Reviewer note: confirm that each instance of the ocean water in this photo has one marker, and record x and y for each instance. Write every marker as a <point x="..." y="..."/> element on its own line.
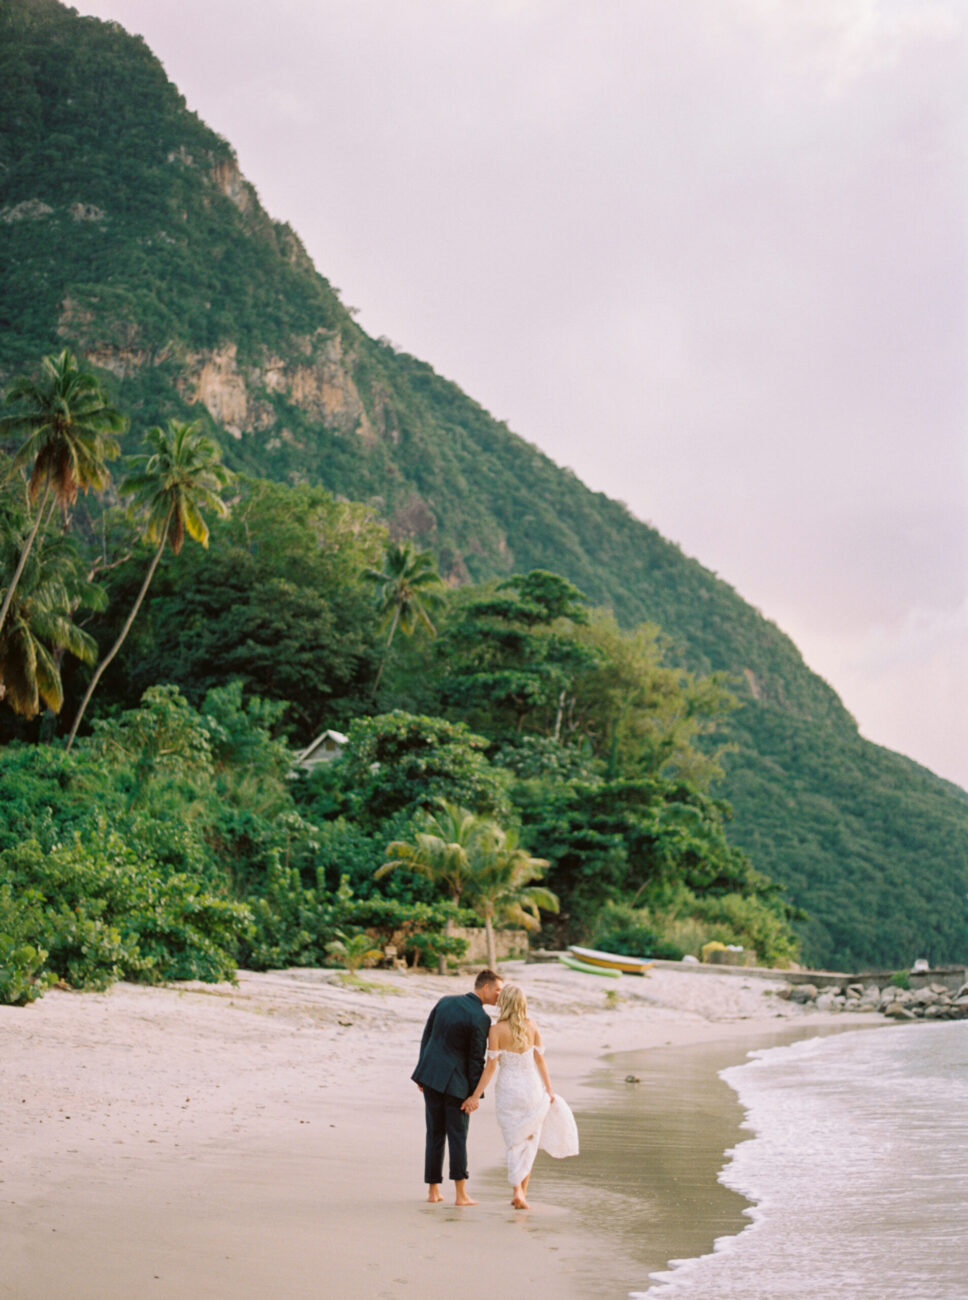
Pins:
<point x="857" y="1172"/>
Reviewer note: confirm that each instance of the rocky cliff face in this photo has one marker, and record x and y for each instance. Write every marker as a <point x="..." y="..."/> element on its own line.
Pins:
<point x="314" y="377"/>
<point x="312" y="372"/>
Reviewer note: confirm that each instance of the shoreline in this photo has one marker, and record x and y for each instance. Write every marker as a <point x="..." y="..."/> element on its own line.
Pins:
<point x="654" y="1149"/>
<point x="265" y="1138"/>
<point x="677" y="1129"/>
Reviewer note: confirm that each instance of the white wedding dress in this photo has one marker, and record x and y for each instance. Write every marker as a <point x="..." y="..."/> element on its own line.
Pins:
<point x="526" y="1115"/>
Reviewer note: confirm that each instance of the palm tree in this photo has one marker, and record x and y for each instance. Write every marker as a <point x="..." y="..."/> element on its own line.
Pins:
<point x="409" y="587"/>
<point x="505" y="889"/>
<point x="477" y="863"/>
<point x="173" y="483"/>
<point x="67" y="420"/>
<point x="39" y="627"/>
<point x="446" y="848"/>
<point x="353" y="951"/>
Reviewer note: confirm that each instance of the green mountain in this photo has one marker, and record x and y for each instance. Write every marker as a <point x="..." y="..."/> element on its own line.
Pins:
<point x="129" y="235"/>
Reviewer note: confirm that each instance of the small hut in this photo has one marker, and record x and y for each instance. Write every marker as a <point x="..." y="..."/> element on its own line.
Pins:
<point x="323" y="750"/>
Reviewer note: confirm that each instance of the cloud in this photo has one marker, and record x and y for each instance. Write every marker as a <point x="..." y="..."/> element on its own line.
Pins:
<point x="924" y="635"/>
<point x="906" y="681"/>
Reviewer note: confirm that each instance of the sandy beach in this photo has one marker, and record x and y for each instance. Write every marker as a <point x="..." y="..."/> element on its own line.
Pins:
<point x="264" y="1139"/>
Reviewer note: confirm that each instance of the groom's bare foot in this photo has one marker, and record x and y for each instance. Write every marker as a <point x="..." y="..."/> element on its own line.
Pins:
<point x="434" y="1193"/>
<point x="464" y="1200"/>
<point x="461" y="1197"/>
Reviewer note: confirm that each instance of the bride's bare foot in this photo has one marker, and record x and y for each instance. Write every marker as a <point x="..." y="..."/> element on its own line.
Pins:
<point x="520" y="1203"/>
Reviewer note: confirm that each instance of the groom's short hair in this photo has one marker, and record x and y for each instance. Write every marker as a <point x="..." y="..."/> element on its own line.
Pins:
<point x="486" y="977"/>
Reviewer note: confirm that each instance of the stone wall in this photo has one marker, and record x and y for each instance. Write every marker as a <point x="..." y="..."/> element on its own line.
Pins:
<point x="952" y="977"/>
<point x="507" y="943"/>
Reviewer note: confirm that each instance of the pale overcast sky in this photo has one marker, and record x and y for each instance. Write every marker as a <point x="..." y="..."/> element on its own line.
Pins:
<point x="711" y="254"/>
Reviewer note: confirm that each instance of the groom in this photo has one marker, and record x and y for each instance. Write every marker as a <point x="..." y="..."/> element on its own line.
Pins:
<point x="451" y="1063"/>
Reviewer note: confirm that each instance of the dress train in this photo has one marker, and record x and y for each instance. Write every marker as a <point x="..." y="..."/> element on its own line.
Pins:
<point x="527" y="1117"/>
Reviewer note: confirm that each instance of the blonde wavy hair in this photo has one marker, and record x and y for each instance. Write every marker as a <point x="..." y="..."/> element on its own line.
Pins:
<point x="512" y="1008"/>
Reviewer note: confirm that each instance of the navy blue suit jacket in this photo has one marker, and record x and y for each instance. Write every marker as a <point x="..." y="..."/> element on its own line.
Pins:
<point x="453" y="1046"/>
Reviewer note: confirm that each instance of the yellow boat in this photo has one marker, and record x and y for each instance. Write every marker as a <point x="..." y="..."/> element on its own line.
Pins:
<point x="611" y="960"/>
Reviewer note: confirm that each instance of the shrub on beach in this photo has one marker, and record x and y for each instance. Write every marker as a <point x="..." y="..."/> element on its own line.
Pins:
<point x="427" y="947"/>
<point x="683" y="923"/>
<point x="101" y="913"/>
<point x="629" y="930"/>
<point x="749" y="923"/>
<point x="295" y="923"/>
<point x="352" y="951"/>
<point x="22" y="974"/>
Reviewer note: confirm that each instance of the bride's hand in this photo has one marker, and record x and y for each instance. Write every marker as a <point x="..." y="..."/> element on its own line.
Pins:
<point x="551" y="1095"/>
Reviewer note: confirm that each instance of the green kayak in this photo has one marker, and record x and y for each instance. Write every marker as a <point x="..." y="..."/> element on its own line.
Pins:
<point x="574" y="964"/>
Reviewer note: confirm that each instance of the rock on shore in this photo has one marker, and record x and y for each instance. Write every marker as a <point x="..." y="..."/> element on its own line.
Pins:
<point x="932" y="1002"/>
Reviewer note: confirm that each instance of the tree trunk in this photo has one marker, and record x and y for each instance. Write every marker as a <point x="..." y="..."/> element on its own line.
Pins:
<point x="99" y="671"/>
<point x="559" y="715"/>
<point x="386" y="650"/>
<point x="491" y="949"/>
<point x="442" y="959"/>
<point x="8" y="598"/>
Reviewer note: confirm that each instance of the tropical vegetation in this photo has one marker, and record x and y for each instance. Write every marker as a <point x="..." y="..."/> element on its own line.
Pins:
<point x="611" y="706"/>
<point x="178" y="837"/>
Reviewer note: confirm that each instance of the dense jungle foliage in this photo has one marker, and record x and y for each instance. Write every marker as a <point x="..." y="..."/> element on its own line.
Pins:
<point x="181" y="836"/>
<point x="128" y="235"/>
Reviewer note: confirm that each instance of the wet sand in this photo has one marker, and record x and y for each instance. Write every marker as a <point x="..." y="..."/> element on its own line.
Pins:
<point x="266" y="1140"/>
<point x="652" y="1152"/>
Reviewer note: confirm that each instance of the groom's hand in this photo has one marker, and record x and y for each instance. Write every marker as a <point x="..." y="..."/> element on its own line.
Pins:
<point x="469" y="1105"/>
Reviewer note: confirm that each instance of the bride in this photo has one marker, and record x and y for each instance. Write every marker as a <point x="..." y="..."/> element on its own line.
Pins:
<point x="528" y="1112"/>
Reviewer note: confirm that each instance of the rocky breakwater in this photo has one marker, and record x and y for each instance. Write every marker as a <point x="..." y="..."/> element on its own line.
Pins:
<point x="932" y="1001"/>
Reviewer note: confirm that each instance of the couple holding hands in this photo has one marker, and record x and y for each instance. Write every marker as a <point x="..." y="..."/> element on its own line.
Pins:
<point x="460" y="1051"/>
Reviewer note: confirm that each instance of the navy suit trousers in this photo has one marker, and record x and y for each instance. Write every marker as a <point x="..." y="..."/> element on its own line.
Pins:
<point x="445" y="1120"/>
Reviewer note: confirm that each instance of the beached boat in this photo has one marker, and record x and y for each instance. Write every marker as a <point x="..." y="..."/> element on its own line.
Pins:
<point x="611" y="960"/>
<point x="587" y="968"/>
